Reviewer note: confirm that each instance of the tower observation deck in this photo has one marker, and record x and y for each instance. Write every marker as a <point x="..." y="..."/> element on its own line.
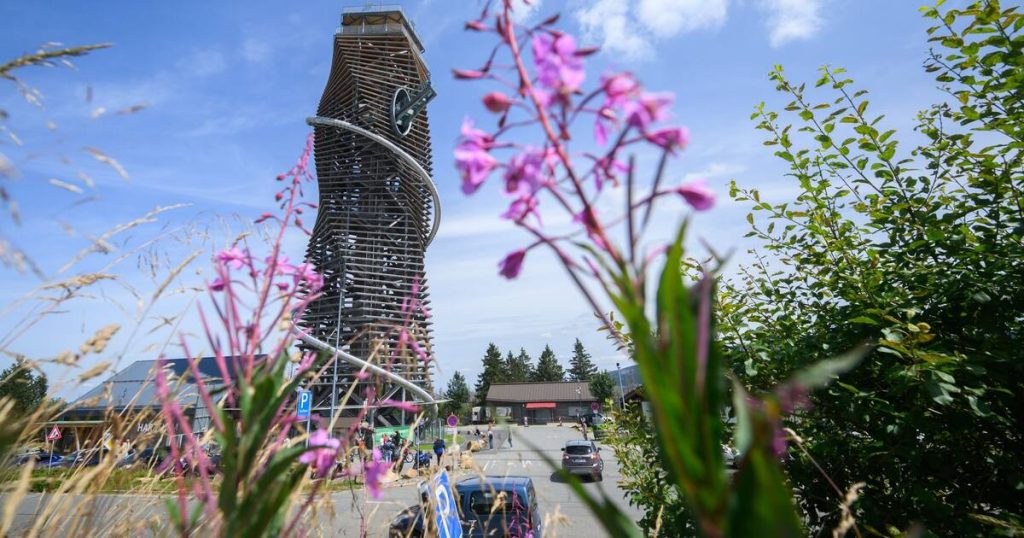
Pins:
<point x="378" y="211"/>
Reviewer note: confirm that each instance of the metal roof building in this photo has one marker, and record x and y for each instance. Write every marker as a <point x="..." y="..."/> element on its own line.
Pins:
<point x="127" y="403"/>
<point x="542" y="402"/>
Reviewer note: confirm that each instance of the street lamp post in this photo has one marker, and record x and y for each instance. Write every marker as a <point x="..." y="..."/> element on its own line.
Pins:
<point x="579" y="403"/>
<point x="622" y="395"/>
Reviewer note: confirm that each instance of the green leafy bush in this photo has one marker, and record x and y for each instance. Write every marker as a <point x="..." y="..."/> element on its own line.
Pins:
<point x="918" y="249"/>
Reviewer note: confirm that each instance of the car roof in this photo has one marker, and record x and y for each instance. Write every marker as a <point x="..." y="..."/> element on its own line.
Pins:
<point x="498" y="482"/>
<point x="579" y="442"/>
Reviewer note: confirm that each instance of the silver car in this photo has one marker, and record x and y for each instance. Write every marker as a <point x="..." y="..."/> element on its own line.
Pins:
<point x="583" y="458"/>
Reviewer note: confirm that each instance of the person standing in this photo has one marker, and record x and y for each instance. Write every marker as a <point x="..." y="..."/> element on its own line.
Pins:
<point x="439" y="447"/>
<point x="490" y="439"/>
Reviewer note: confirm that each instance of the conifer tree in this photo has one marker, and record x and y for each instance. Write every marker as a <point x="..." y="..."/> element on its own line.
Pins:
<point x="494" y="372"/>
<point x="457" y="393"/>
<point x="581" y="368"/>
<point x="548" y="368"/>
<point x="519" y="368"/>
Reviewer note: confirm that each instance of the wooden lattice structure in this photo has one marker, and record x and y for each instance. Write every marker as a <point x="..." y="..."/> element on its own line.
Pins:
<point x="378" y="212"/>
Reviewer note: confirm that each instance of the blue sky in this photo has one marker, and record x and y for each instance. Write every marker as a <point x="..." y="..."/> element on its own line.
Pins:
<point x="227" y="87"/>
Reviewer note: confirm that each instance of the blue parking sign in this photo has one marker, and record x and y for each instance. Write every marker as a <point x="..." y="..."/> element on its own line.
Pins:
<point x="305" y="403"/>
<point x="448" y="524"/>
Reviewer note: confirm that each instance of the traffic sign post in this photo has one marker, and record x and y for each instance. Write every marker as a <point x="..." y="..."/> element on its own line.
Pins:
<point x="304" y="408"/>
<point x="54" y="435"/>
<point x="448" y="524"/>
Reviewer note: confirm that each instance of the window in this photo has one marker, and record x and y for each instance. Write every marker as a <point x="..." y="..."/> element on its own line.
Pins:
<point x="578" y="450"/>
<point x="482" y="503"/>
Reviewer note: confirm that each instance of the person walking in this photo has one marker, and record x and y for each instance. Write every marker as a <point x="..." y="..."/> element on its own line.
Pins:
<point x="510" y="437"/>
<point x="439" y="447"/>
<point x="490" y="439"/>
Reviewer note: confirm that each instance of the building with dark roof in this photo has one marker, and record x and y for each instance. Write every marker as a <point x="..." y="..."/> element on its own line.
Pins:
<point x="541" y="402"/>
<point x="128" y="402"/>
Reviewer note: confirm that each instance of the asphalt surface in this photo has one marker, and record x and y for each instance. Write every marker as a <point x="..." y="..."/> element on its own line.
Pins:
<point x="563" y="513"/>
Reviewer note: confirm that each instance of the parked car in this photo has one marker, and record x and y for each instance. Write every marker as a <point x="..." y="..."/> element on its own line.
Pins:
<point x="583" y="458"/>
<point x="43" y="460"/>
<point x="89" y="457"/>
<point x="489" y="506"/>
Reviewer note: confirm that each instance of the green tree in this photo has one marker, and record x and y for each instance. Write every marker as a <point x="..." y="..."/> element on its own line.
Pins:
<point x="494" y="372"/>
<point x="21" y="384"/>
<point x="548" y="368"/>
<point x="580" y="365"/>
<point x="457" y="394"/>
<point x="602" y="386"/>
<point x="519" y="368"/>
<point x="919" y="251"/>
<point x="644" y="479"/>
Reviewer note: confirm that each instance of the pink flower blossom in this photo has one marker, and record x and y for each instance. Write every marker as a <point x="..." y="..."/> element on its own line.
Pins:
<point x="497" y="102"/>
<point x="588" y="217"/>
<point x="472" y="159"/>
<point x="670" y="138"/>
<point x="280" y="265"/>
<point x="307" y="273"/>
<point x="218" y="284"/>
<point x="472" y="135"/>
<point x="697" y="194"/>
<point x="521" y="208"/>
<point x="233" y="257"/>
<point x="558" y="66"/>
<point x="375" y="471"/>
<point x="323" y="452"/>
<point x="647" y="109"/>
<point x="618" y="88"/>
<point x="512" y="264"/>
<point x="525" y="172"/>
<point x="404" y="406"/>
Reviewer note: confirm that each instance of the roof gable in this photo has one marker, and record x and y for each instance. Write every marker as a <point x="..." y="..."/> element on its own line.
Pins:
<point x="540" y="392"/>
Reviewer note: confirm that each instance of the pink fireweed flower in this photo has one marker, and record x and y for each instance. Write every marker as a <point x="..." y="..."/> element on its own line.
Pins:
<point x="472" y="135"/>
<point x="525" y="172"/>
<point x="375" y="471"/>
<point x="618" y="88"/>
<point x="472" y="159"/>
<point x="522" y="207"/>
<point x="323" y="452"/>
<point x="697" y="194"/>
<point x="670" y="138"/>
<point x="307" y="273"/>
<point x="497" y="102"/>
<point x="588" y="217"/>
<point x="647" y="109"/>
<point x="512" y="264"/>
<point x="233" y="257"/>
<point x="558" y="66"/>
<point x="281" y="265"/>
<point x="404" y="406"/>
<point x="217" y="284"/>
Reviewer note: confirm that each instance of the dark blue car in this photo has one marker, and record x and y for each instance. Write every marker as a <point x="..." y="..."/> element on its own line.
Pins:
<point x="489" y="506"/>
<point x="43" y="460"/>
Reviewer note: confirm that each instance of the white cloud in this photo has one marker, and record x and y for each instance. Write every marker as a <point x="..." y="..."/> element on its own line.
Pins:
<point x="204" y="63"/>
<point x="716" y="170"/>
<point x="629" y="27"/>
<point x="789" y="20"/>
<point x="255" y="50"/>
<point x="666" y="18"/>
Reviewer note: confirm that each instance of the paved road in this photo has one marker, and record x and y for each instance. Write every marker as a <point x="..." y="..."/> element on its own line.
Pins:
<point x="563" y="513"/>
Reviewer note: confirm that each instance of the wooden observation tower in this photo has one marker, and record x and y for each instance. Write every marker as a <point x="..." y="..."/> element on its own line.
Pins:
<point x="378" y="212"/>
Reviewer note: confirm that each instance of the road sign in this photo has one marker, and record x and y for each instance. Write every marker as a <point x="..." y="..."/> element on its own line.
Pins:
<point x="453" y="421"/>
<point x="448" y="524"/>
<point x="594" y="406"/>
<point x="305" y="403"/>
<point x="53" y="435"/>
